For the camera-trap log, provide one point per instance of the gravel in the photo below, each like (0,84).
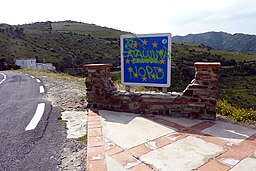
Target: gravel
(71,97)
(68,95)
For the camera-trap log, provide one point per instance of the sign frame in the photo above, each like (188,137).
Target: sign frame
(168,77)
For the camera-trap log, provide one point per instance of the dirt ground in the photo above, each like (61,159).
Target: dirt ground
(70,96)
(65,94)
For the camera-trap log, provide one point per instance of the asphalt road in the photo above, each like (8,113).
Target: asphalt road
(31,136)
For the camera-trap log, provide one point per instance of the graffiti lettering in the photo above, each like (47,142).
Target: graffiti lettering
(146,59)
(155,73)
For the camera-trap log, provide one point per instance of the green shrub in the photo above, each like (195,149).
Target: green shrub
(83,138)
(239,114)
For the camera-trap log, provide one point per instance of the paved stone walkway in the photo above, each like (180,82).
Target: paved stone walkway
(131,142)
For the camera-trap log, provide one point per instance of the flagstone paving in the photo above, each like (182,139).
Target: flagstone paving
(247,164)
(123,141)
(229,132)
(134,130)
(185,154)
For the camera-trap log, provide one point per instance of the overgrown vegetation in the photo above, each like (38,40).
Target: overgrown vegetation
(235,113)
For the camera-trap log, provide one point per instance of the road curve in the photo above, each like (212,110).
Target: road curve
(30,138)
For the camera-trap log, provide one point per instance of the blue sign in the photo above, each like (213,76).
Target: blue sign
(146,60)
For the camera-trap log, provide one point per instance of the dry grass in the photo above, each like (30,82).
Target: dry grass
(55,75)
(116,78)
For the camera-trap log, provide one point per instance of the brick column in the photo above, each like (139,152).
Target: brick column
(202,92)
(98,85)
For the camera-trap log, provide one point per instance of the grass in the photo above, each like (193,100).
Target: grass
(242,57)
(65,125)
(233,55)
(82,98)
(84,28)
(63,122)
(55,75)
(83,138)
(222,52)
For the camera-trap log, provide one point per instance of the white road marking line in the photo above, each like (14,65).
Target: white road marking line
(3,78)
(37,80)
(32,76)
(41,89)
(36,118)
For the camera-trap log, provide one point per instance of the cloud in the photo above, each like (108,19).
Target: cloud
(179,17)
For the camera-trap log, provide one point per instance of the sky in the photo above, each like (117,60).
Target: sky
(178,17)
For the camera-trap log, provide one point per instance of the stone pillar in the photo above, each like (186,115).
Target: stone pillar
(202,91)
(98,85)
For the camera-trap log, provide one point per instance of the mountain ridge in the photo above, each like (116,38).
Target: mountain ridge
(238,42)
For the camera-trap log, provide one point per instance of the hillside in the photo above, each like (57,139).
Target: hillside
(223,41)
(71,26)
(69,45)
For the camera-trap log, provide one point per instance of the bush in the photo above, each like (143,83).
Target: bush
(239,114)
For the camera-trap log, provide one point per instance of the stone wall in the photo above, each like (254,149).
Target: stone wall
(198,100)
